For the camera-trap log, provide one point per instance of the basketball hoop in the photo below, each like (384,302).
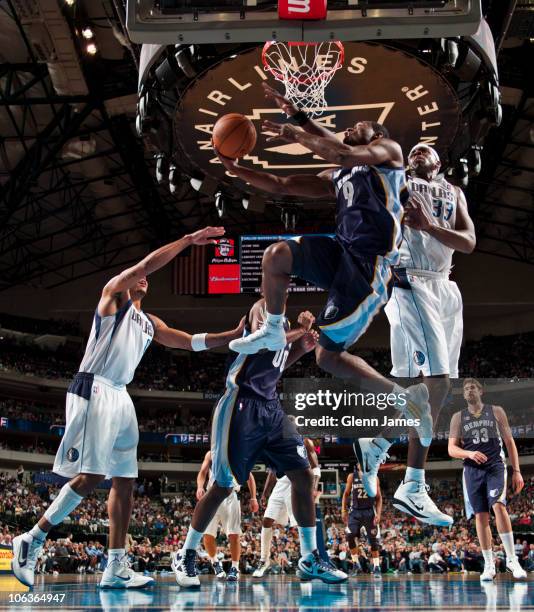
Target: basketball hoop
(305,69)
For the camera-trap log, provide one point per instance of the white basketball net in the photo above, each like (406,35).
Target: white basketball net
(305,69)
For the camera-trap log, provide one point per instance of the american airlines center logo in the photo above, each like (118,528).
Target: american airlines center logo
(376,83)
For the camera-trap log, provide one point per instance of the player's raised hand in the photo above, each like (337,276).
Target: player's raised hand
(310,340)
(282,102)
(229,163)
(517,482)
(306,319)
(477,457)
(207,235)
(200,494)
(280,131)
(416,215)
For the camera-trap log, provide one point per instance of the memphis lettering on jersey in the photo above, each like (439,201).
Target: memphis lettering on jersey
(145,325)
(476,424)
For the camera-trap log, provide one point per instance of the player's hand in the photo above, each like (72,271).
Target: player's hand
(376,520)
(200,494)
(207,235)
(309,340)
(254,506)
(477,457)
(306,320)
(283,103)
(238,331)
(281,131)
(517,482)
(345,518)
(263,501)
(416,215)
(229,163)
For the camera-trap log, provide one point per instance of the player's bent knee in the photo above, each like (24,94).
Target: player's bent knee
(277,258)
(325,359)
(301,480)
(125,486)
(83,484)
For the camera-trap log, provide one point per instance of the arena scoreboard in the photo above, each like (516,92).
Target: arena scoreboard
(235,266)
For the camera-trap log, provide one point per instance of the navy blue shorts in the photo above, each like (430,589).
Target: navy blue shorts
(483,487)
(247,430)
(363,518)
(358,288)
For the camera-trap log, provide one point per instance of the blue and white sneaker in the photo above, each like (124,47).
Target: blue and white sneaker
(185,569)
(312,566)
(26,550)
(270,336)
(370,457)
(119,575)
(220,574)
(233,574)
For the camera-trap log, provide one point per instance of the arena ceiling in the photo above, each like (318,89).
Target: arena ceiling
(78,187)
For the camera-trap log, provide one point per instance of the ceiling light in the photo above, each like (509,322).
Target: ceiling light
(87,33)
(91,49)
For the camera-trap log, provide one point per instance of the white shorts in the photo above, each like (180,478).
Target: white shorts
(101,433)
(228,516)
(279,507)
(425,317)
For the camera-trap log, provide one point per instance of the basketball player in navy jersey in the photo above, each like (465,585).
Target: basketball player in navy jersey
(476,435)
(101,434)
(369,186)
(249,424)
(363,515)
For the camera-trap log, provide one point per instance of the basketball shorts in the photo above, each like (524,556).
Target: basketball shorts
(228,516)
(361,524)
(101,433)
(245,430)
(357,287)
(483,487)
(279,507)
(426,325)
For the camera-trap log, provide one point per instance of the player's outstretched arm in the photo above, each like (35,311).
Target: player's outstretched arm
(203,475)
(116,290)
(513,455)
(382,151)
(307,124)
(302,185)
(176,338)
(462,238)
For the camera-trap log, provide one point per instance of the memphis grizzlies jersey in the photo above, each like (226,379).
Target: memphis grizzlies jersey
(117,343)
(359,499)
(481,433)
(256,376)
(369,210)
(420,250)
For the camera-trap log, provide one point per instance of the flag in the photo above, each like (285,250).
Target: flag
(190,272)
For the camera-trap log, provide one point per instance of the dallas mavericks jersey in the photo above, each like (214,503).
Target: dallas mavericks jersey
(257,375)
(359,500)
(481,433)
(117,343)
(420,250)
(369,210)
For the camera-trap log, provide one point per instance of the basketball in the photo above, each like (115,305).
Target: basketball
(234,135)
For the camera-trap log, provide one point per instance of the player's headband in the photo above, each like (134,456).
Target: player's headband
(433,152)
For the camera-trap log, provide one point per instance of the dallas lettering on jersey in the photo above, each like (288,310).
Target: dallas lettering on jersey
(436,191)
(145,325)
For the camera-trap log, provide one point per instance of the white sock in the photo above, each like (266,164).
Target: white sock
(274,319)
(235,564)
(37,533)
(63,505)
(308,540)
(115,554)
(415,474)
(193,539)
(488,558)
(266,539)
(507,540)
(382,443)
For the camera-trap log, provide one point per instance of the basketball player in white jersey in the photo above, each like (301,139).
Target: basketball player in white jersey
(425,316)
(279,507)
(228,516)
(101,434)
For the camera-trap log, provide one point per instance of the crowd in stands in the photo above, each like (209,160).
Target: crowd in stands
(160,521)
(161,369)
